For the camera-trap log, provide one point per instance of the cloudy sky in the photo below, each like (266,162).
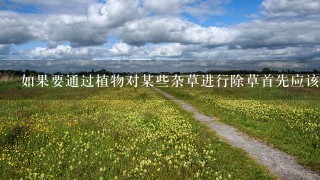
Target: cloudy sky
(160,29)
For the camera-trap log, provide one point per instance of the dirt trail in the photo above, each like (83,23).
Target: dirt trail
(279,163)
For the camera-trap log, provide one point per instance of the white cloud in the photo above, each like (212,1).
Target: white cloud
(169,50)
(114,12)
(224,53)
(166,6)
(61,52)
(19,29)
(80,30)
(14,29)
(121,49)
(289,29)
(166,29)
(174,51)
(277,33)
(289,8)
(77,30)
(196,8)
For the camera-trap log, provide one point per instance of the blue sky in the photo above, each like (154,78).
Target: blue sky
(167,29)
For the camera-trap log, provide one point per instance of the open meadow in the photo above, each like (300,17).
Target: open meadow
(285,118)
(111,133)
(136,133)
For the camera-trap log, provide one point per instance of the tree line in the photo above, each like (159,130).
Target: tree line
(28,72)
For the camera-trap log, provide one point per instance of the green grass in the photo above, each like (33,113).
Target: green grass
(287,118)
(110,133)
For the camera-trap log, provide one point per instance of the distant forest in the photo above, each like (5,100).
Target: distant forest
(104,71)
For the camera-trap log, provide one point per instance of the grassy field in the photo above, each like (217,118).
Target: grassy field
(286,118)
(110,133)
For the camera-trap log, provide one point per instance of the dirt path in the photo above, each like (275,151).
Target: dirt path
(279,163)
